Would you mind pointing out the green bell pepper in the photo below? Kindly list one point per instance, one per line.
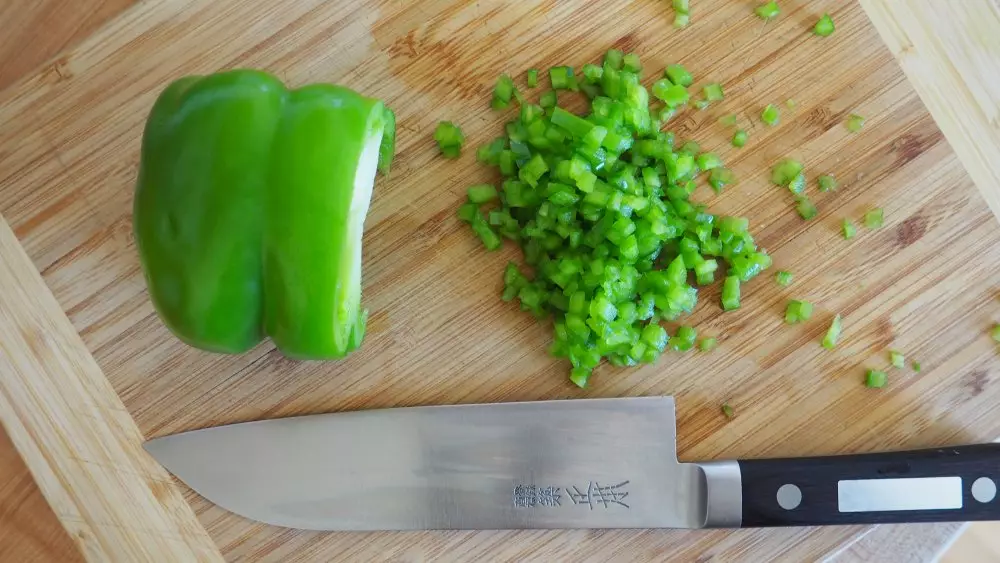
(249, 210)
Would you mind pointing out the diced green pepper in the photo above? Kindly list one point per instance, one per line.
(855, 123)
(771, 115)
(673, 95)
(708, 344)
(832, 334)
(596, 201)
(562, 78)
(720, 178)
(728, 120)
(630, 62)
(784, 278)
(708, 161)
(740, 138)
(767, 11)
(848, 229)
(580, 375)
(995, 333)
(805, 208)
(679, 75)
(548, 100)
(874, 218)
(785, 172)
(727, 410)
(798, 311)
(827, 183)
(798, 185)
(532, 77)
(502, 92)
(684, 339)
(875, 379)
(915, 365)
(897, 359)
(449, 138)
(482, 193)
(731, 293)
(713, 92)
(824, 27)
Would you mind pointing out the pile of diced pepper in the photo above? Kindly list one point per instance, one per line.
(601, 207)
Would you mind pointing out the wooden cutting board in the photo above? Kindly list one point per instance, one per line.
(923, 284)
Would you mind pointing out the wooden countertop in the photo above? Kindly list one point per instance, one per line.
(31, 32)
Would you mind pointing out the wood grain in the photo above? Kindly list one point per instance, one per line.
(952, 59)
(438, 332)
(74, 434)
(29, 530)
(978, 543)
(32, 31)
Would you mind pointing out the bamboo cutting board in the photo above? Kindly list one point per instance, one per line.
(923, 284)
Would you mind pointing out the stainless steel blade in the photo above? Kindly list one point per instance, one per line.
(599, 463)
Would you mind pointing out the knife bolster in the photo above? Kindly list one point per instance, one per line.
(724, 494)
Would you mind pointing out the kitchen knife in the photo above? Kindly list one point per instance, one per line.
(596, 463)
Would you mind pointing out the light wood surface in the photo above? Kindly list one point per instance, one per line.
(29, 530)
(978, 543)
(32, 31)
(923, 284)
(72, 431)
(952, 59)
(35, 30)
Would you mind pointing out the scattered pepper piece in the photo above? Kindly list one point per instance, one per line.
(896, 359)
(784, 278)
(727, 410)
(786, 171)
(805, 207)
(848, 229)
(855, 123)
(824, 27)
(502, 92)
(449, 138)
(798, 311)
(832, 334)
(875, 379)
(728, 120)
(874, 218)
(713, 92)
(682, 13)
(827, 183)
(532, 77)
(768, 11)
(771, 115)
(708, 344)
(740, 138)
(678, 75)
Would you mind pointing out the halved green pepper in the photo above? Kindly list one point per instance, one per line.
(249, 211)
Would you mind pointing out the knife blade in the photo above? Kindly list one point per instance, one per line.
(593, 463)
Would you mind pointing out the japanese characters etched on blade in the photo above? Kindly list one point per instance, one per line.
(593, 495)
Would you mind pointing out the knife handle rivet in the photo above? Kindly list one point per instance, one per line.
(789, 496)
(984, 489)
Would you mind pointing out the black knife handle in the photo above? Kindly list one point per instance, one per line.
(955, 484)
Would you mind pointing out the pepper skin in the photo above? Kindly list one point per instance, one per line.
(249, 210)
